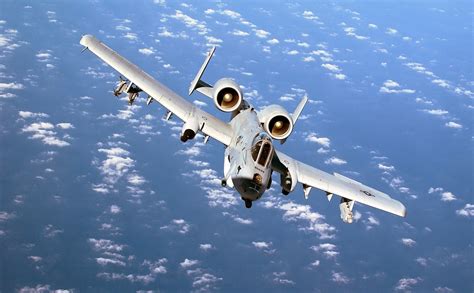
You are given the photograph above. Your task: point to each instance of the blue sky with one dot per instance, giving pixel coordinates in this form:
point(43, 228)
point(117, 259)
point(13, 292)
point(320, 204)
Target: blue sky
point(100, 196)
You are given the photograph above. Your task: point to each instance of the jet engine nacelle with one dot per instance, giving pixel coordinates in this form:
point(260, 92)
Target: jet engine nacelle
point(227, 95)
point(288, 180)
point(276, 121)
point(189, 130)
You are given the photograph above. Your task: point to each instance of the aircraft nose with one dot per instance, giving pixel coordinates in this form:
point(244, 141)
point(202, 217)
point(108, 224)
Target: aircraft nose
point(247, 187)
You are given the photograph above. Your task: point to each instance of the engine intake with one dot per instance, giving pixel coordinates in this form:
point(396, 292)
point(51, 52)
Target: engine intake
point(276, 121)
point(227, 95)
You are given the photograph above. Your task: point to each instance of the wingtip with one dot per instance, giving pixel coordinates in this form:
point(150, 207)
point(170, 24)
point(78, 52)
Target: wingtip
point(403, 212)
point(86, 39)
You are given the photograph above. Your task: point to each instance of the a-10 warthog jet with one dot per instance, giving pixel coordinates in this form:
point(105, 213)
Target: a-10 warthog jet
point(250, 155)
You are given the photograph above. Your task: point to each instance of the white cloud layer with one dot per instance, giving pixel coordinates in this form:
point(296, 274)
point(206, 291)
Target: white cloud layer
point(466, 211)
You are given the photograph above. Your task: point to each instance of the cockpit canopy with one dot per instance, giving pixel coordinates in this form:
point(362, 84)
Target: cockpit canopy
point(262, 149)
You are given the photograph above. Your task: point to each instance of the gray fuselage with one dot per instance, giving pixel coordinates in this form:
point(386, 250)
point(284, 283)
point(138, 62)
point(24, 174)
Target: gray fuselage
point(247, 162)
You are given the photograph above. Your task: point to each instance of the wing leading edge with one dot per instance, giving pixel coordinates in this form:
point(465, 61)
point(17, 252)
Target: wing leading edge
point(340, 185)
point(183, 109)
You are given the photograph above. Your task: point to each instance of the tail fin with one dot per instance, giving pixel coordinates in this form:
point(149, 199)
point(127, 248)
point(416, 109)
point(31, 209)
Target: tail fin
point(197, 82)
point(299, 109)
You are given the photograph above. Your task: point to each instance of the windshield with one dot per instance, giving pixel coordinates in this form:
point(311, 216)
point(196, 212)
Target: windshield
point(262, 149)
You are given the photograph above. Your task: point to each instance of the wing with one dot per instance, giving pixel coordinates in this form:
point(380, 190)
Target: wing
point(186, 111)
point(348, 189)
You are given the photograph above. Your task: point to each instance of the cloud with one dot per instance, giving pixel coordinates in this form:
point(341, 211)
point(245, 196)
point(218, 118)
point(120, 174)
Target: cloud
point(50, 231)
point(309, 59)
point(44, 56)
point(350, 31)
point(35, 258)
point(282, 281)
point(309, 15)
point(147, 51)
point(323, 141)
point(7, 40)
point(433, 189)
point(447, 196)
point(321, 53)
point(206, 247)
point(65, 125)
point(423, 101)
point(105, 245)
point(452, 124)
point(144, 279)
point(205, 282)
point(213, 40)
point(294, 212)
point(107, 261)
point(287, 98)
point(371, 222)
point(239, 33)
point(165, 33)
point(391, 31)
point(386, 168)
point(4, 216)
point(238, 219)
point(422, 261)
point(135, 179)
point(466, 211)
point(243, 221)
point(418, 67)
point(331, 67)
point(27, 114)
point(179, 225)
point(373, 26)
point(339, 76)
point(261, 33)
point(43, 131)
point(443, 290)
point(232, 14)
point(329, 250)
point(292, 52)
point(441, 82)
point(191, 22)
point(40, 288)
point(261, 244)
point(408, 242)
point(391, 84)
point(116, 165)
point(219, 197)
point(122, 27)
point(393, 87)
point(273, 41)
point(406, 284)
point(188, 263)
point(335, 161)
point(436, 112)
point(11, 86)
point(192, 151)
point(131, 36)
point(303, 44)
point(339, 277)
point(114, 209)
